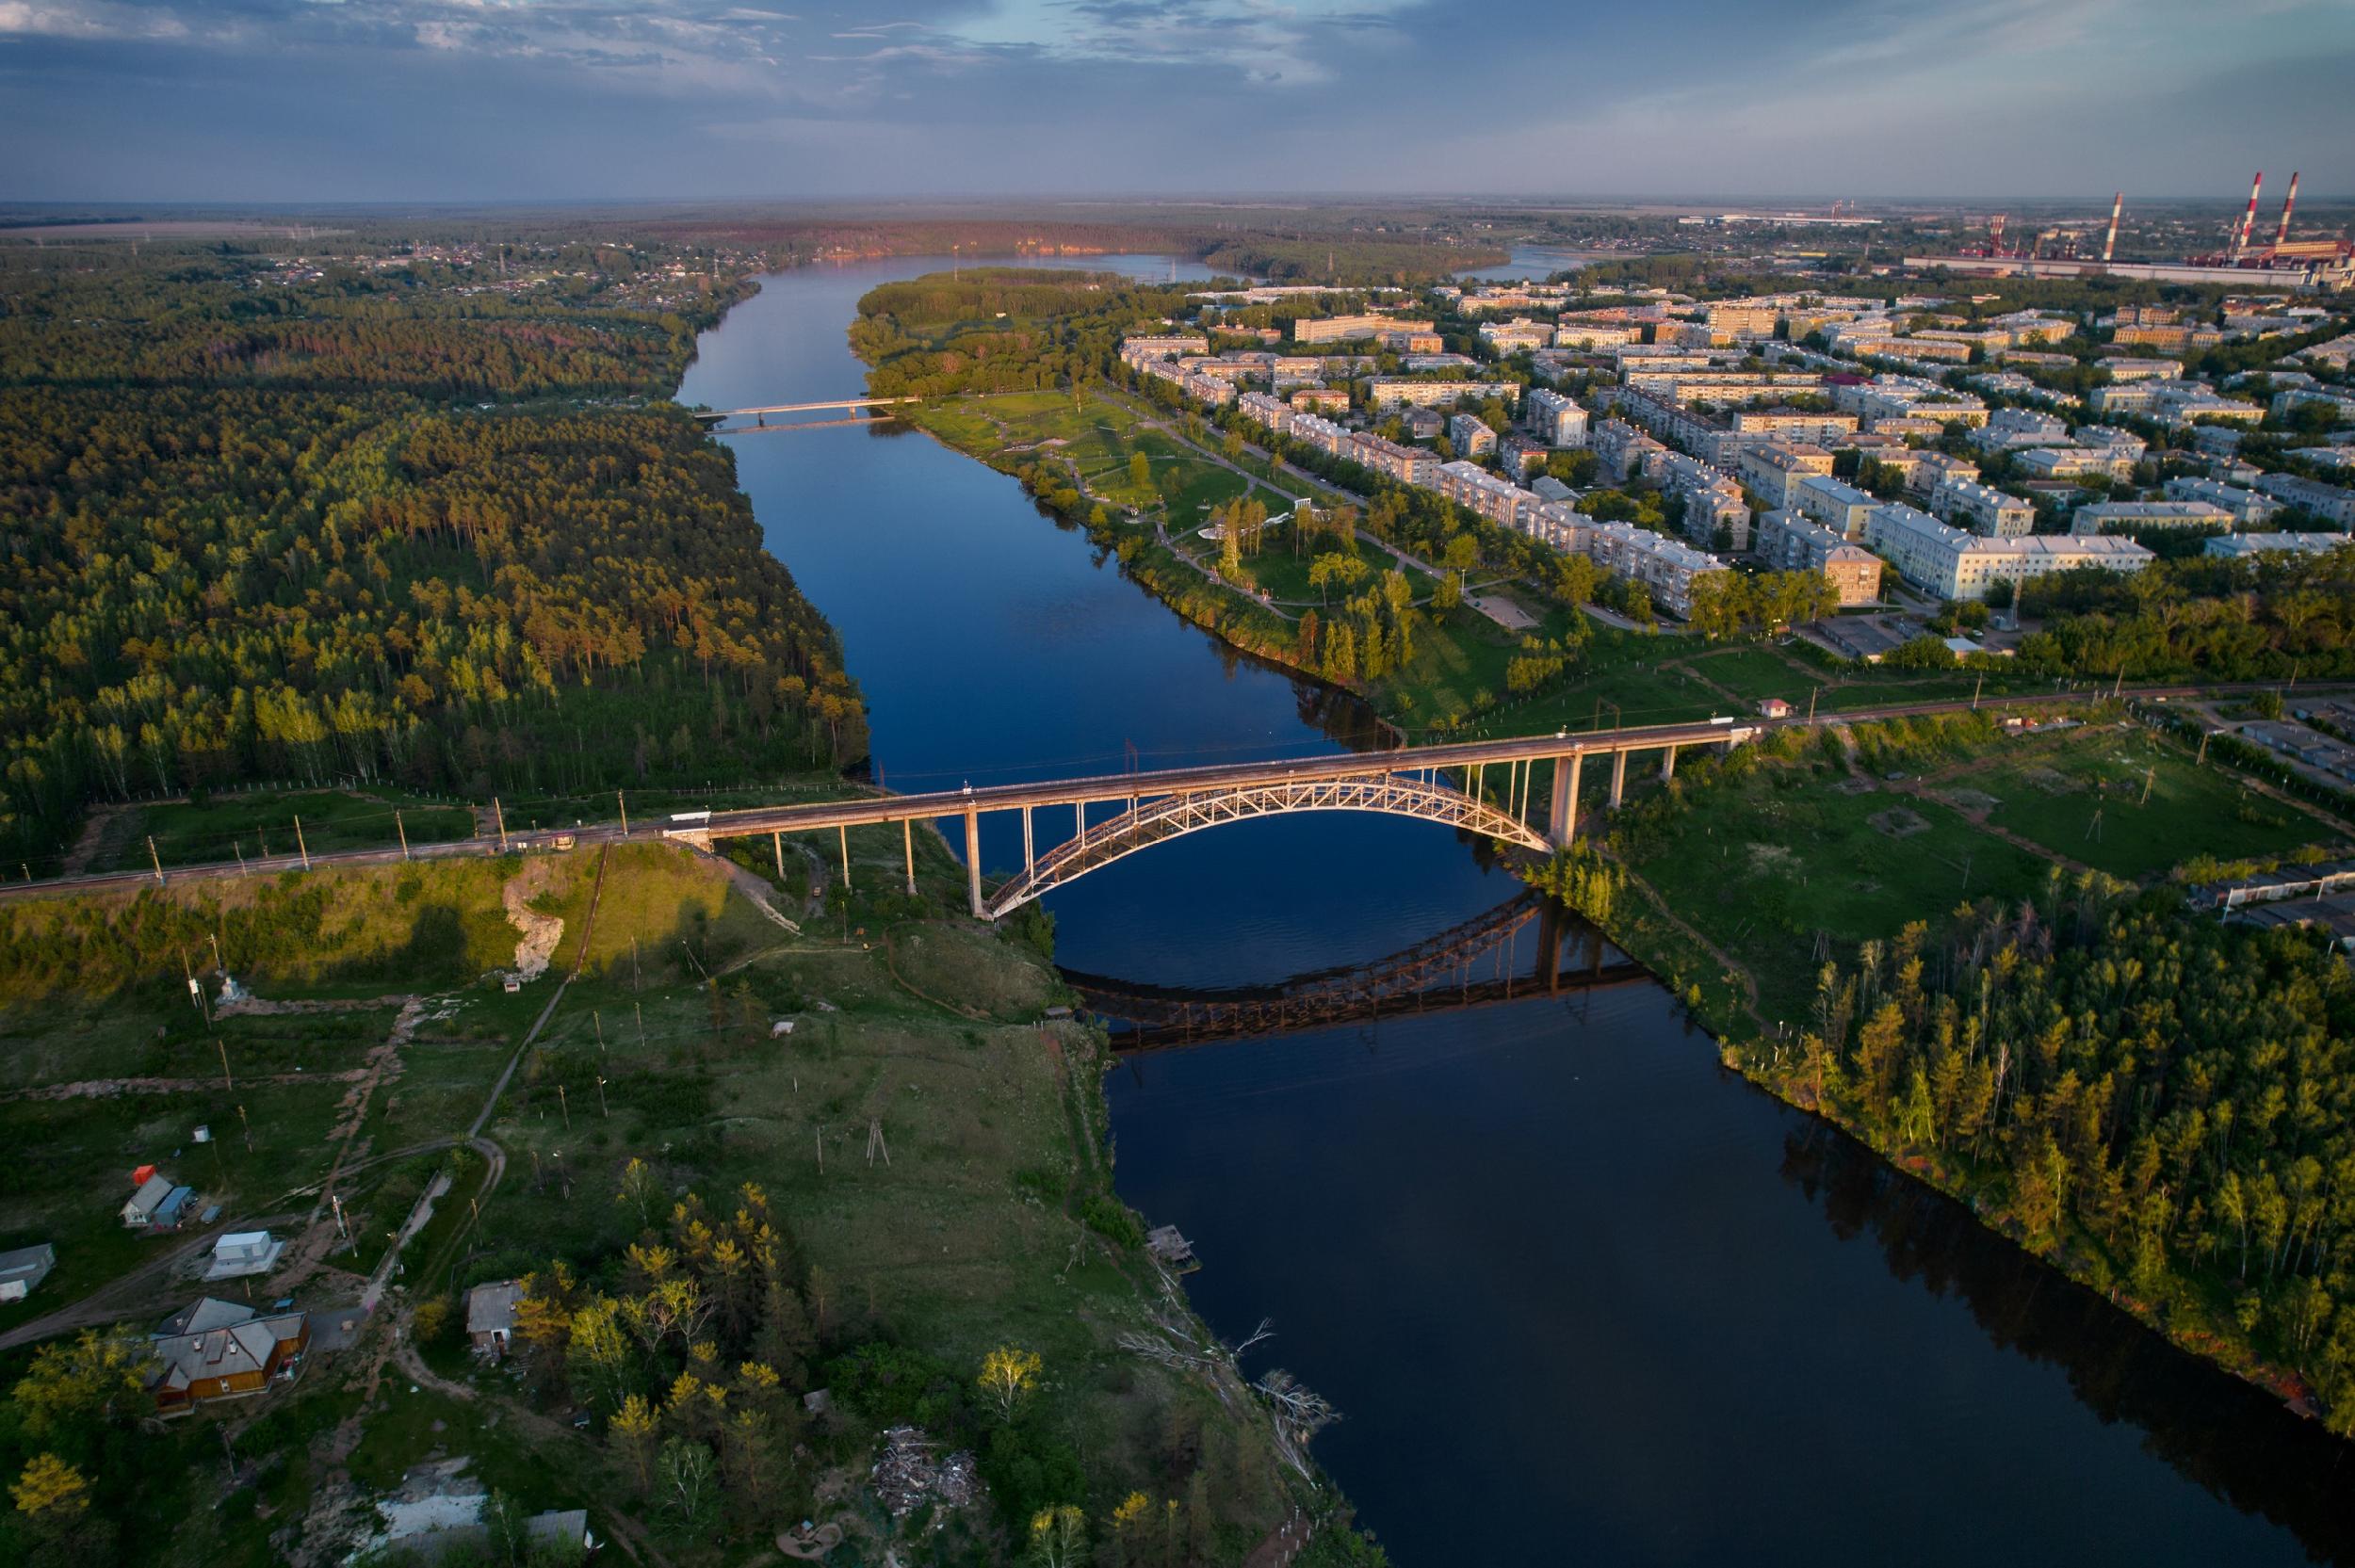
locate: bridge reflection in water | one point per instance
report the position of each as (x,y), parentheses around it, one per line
(1525,948)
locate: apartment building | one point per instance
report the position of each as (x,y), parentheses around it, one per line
(1470,436)
(2073,462)
(2122,517)
(1928,469)
(1712,500)
(2242,546)
(1341,329)
(1388,393)
(1953,564)
(1519,456)
(1510,337)
(1476,490)
(2247,507)
(1667,568)
(2125,369)
(1137,352)
(1732,320)
(1774,469)
(1990,512)
(1622,449)
(1410,466)
(1788,541)
(1556,419)
(1273,414)
(2333,504)
(1841,507)
(1592,335)
(1322,399)
(2020,427)
(1792,424)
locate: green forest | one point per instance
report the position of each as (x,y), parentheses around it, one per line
(345,530)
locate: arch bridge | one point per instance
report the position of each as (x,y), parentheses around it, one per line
(1450,786)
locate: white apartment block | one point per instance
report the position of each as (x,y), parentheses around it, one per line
(1591,335)
(1407,464)
(1953,564)
(2073,462)
(1138,352)
(2246,507)
(1385,393)
(2106,517)
(2010,427)
(1931,469)
(1475,489)
(1801,425)
(1271,412)
(1990,512)
(1711,499)
(2333,504)
(2123,370)
(2237,546)
(1622,449)
(1665,566)
(1558,421)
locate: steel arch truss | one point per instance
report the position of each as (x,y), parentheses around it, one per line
(1169,817)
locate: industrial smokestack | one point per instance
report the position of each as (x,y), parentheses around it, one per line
(2282,235)
(2118,204)
(2248,220)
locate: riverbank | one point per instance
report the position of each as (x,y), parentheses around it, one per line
(1770,889)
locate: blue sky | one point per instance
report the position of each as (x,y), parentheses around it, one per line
(489,100)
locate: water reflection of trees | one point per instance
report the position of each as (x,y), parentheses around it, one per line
(2235,1440)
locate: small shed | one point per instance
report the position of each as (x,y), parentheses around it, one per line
(491,1314)
(242,1254)
(1774,707)
(151,1188)
(23,1268)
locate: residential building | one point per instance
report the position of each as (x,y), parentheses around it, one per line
(1504,338)
(2073,462)
(1470,436)
(2123,370)
(1713,505)
(157,1204)
(1667,567)
(1592,335)
(1841,507)
(241,1255)
(21,1270)
(1518,455)
(1140,351)
(491,1314)
(1928,469)
(2240,545)
(1321,400)
(2333,504)
(1622,449)
(1339,329)
(1484,493)
(2008,428)
(2247,507)
(1385,393)
(1270,412)
(1804,425)
(2123,517)
(230,1357)
(1788,541)
(1953,564)
(1558,421)
(1987,511)
(1774,469)
(1409,466)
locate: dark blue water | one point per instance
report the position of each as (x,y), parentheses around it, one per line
(1581,1296)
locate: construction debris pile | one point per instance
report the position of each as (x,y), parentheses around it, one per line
(907,1477)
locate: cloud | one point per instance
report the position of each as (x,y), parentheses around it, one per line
(86,20)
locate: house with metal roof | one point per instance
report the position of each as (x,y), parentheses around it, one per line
(23,1268)
(242,1253)
(228,1362)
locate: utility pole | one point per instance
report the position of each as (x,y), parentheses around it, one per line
(2149,774)
(1812,692)
(2200,761)
(634,980)
(302,847)
(601,1110)
(598,1019)
(642,1023)
(226,1081)
(500,813)
(565,1106)
(1976,689)
(401,828)
(620,802)
(248,1129)
(153,859)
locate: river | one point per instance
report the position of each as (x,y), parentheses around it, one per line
(1581,1295)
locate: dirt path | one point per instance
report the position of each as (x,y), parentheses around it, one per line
(90,840)
(125,1296)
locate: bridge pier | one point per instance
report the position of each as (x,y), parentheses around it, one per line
(973,861)
(1562,821)
(1619,778)
(1668,765)
(907,842)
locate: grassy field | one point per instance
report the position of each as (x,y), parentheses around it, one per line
(2053,796)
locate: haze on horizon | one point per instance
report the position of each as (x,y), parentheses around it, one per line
(519,100)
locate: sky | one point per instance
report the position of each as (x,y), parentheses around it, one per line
(566,100)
